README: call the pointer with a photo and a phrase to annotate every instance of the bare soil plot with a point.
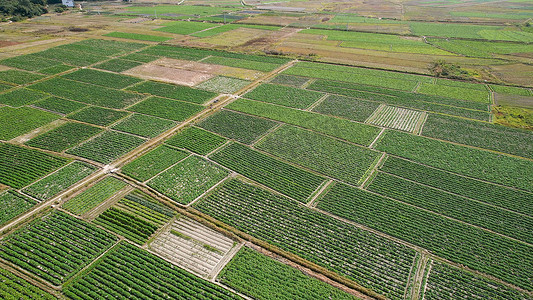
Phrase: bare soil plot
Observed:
(193, 246)
(169, 74)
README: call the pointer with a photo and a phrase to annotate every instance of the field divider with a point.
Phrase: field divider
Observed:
(377, 138)
(44, 285)
(420, 123)
(210, 189)
(375, 114)
(372, 170)
(423, 283)
(147, 180)
(224, 261)
(418, 280)
(271, 130)
(317, 102)
(313, 201)
(308, 83)
(107, 203)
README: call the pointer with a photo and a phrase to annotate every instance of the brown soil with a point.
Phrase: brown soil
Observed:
(169, 74)
(8, 43)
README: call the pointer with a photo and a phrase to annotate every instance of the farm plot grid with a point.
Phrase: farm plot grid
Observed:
(397, 118)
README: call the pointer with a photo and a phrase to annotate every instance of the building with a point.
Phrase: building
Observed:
(68, 3)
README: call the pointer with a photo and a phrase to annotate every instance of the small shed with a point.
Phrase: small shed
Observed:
(68, 3)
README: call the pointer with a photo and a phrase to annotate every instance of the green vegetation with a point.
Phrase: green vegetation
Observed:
(98, 116)
(17, 121)
(19, 77)
(21, 166)
(228, 27)
(117, 65)
(59, 181)
(241, 63)
(13, 204)
(20, 97)
(513, 116)
(240, 127)
(197, 140)
(471, 162)
(107, 147)
(18, 10)
(346, 107)
(172, 91)
(167, 109)
(262, 277)
(59, 105)
(482, 135)
(126, 224)
(280, 176)
(56, 69)
(188, 179)
(323, 154)
(284, 95)
(461, 243)
(145, 126)
(56, 247)
(378, 263)
(121, 267)
(222, 84)
(153, 162)
(64, 137)
(455, 92)
(87, 93)
(12, 286)
(289, 80)
(497, 195)
(185, 27)
(146, 208)
(353, 132)
(91, 197)
(137, 36)
(106, 79)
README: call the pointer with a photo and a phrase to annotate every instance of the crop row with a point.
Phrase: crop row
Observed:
(347, 107)
(55, 247)
(397, 118)
(59, 105)
(63, 137)
(98, 115)
(362, 134)
(372, 261)
(126, 224)
(21, 166)
(145, 207)
(93, 196)
(196, 140)
(223, 85)
(145, 126)
(284, 95)
(14, 287)
(240, 127)
(107, 147)
(59, 181)
(19, 77)
(133, 273)
(13, 204)
(188, 179)
(478, 134)
(320, 153)
(455, 92)
(137, 36)
(471, 162)
(280, 176)
(153, 162)
(471, 212)
(17, 121)
(177, 92)
(117, 65)
(478, 249)
(20, 97)
(106, 79)
(262, 277)
(167, 109)
(498, 195)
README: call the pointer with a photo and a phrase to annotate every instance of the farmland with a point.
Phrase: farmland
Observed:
(267, 150)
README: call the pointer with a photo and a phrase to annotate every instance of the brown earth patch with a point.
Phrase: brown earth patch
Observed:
(8, 43)
(169, 74)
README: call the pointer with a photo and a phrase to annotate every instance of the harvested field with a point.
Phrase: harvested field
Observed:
(167, 74)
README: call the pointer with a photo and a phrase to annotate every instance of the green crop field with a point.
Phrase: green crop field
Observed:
(294, 149)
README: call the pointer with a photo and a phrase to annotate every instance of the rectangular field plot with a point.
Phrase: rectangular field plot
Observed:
(497, 168)
(167, 109)
(103, 47)
(261, 277)
(14, 287)
(346, 107)
(197, 140)
(222, 84)
(17, 121)
(146, 207)
(55, 247)
(184, 27)
(20, 97)
(64, 137)
(455, 92)
(13, 204)
(145, 126)
(177, 92)
(87, 93)
(138, 274)
(98, 116)
(60, 180)
(153, 162)
(284, 95)
(483, 135)
(107, 147)
(56, 69)
(110, 80)
(30, 62)
(240, 127)
(21, 166)
(461, 243)
(447, 282)
(117, 65)
(397, 118)
(351, 131)
(320, 153)
(192, 246)
(137, 36)
(280, 176)
(374, 262)
(94, 195)
(294, 81)
(498, 195)
(19, 77)
(59, 105)
(188, 179)
(471, 212)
